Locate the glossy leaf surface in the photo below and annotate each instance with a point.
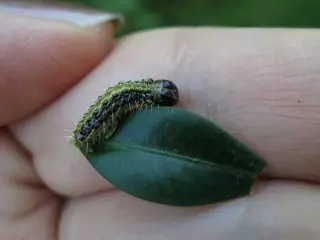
(173, 156)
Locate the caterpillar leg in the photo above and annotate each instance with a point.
(110, 128)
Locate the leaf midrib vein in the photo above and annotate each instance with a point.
(185, 158)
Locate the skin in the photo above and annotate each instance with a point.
(262, 85)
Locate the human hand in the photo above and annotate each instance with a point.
(259, 84)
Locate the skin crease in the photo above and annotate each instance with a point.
(259, 84)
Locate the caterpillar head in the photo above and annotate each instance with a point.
(168, 94)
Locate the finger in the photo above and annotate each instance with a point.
(278, 210)
(260, 85)
(22, 196)
(41, 58)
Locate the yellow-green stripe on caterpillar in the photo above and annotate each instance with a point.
(103, 117)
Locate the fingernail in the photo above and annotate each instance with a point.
(78, 15)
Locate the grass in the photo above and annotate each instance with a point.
(146, 14)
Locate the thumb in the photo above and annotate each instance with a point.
(45, 51)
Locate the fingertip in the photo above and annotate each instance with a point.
(41, 59)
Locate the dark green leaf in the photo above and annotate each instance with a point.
(175, 157)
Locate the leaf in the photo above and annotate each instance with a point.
(175, 157)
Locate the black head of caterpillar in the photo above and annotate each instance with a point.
(168, 95)
(103, 117)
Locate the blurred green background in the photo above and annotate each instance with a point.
(146, 14)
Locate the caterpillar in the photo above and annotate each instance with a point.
(102, 119)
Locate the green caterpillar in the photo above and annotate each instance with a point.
(103, 117)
